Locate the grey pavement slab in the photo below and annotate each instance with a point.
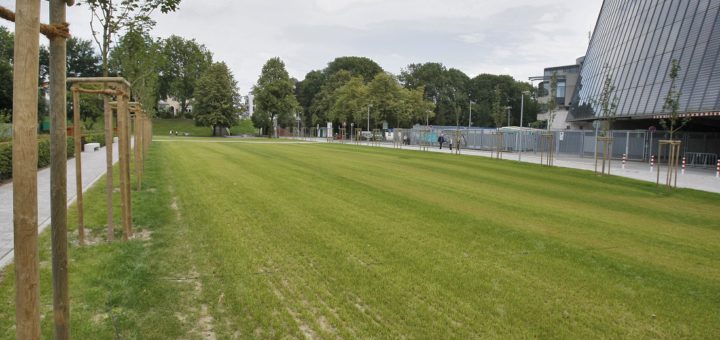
(93, 168)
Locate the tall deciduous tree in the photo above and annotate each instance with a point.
(137, 58)
(218, 102)
(184, 61)
(110, 17)
(357, 66)
(82, 58)
(350, 102)
(306, 90)
(447, 88)
(274, 96)
(325, 99)
(386, 96)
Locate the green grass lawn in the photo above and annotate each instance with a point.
(162, 127)
(320, 240)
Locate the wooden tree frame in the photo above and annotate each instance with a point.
(120, 88)
(425, 142)
(673, 160)
(358, 135)
(376, 137)
(398, 138)
(606, 145)
(547, 149)
(457, 141)
(343, 133)
(499, 148)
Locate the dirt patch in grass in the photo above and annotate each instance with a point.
(205, 323)
(100, 318)
(142, 235)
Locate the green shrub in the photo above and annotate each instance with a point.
(5, 161)
(43, 155)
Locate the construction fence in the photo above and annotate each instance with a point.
(700, 148)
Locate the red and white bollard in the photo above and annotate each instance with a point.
(652, 162)
(683, 166)
(624, 160)
(717, 169)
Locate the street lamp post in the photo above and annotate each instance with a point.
(368, 117)
(522, 112)
(470, 119)
(508, 108)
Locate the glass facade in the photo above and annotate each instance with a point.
(635, 41)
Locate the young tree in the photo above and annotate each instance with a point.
(672, 103)
(113, 16)
(552, 102)
(217, 104)
(498, 110)
(608, 105)
(275, 96)
(183, 62)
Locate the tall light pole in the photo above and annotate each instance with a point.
(508, 108)
(470, 119)
(369, 106)
(520, 133)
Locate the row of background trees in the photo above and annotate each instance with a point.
(350, 89)
(156, 68)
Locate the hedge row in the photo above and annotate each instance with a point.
(43, 152)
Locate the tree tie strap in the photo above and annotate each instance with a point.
(56, 30)
(50, 31)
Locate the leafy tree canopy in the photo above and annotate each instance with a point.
(359, 66)
(217, 102)
(275, 96)
(183, 63)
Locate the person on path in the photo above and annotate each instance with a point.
(441, 140)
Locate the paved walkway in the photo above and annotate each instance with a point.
(693, 178)
(93, 168)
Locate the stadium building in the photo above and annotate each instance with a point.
(635, 42)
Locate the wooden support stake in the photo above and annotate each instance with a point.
(121, 118)
(77, 129)
(124, 148)
(25, 154)
(128, 145)
(58, 175)
(136, 149)
(109, 187)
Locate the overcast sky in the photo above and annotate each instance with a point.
(515, 37)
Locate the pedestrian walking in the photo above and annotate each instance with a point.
(441, 140)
